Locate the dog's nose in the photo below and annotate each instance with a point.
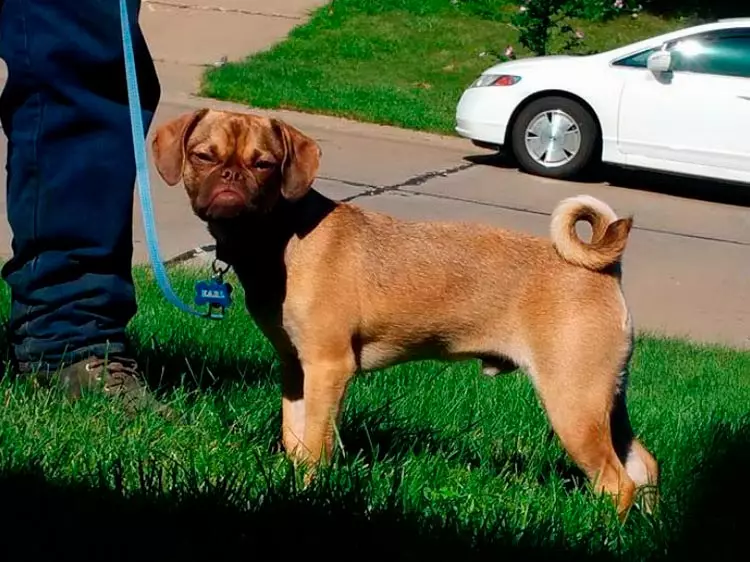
(231, 174)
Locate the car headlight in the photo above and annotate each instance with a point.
(496, 80)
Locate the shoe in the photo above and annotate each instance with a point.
(116, 377)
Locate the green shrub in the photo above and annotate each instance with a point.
(541, 23)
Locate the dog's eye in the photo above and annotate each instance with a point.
(264, 164)
(204, 156)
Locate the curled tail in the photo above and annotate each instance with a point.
(609, 234)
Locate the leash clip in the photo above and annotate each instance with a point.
(219, 272)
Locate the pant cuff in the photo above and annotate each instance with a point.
(50, 366)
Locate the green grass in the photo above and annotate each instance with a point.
(396, 62)
(437, 460)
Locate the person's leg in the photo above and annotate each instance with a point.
(71, 175)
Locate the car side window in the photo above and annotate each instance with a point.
(637, 60)
(721, 53)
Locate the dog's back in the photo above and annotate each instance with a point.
(408, 288)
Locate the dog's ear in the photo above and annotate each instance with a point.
(169, 142)
(301, 161)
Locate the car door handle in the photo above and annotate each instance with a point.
(746, 98)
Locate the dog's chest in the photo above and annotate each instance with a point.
(264, 289)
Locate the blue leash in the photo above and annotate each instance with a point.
(216, 294)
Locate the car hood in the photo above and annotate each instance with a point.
(536, 63)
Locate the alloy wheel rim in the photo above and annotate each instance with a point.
(552, 138)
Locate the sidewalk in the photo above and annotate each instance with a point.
(185, 36)
(687, 267)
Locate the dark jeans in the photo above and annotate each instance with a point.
(71, 175)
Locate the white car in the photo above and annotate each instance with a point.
(676, 103)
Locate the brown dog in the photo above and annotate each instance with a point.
(337, 289)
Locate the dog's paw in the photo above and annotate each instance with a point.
(489, 370)
(647, 499)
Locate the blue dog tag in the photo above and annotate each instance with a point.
(216, 294)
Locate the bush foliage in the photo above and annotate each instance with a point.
(542, 23)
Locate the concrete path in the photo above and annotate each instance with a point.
(185, 36)
(687, 269)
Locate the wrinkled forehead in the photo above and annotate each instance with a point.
(232, 133)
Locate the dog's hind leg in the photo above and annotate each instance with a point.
(579, 397)
(639, 463)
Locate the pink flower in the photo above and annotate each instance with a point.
(579, 34)
(509, 52)
(619, 4)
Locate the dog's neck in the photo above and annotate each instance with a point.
(257, 236)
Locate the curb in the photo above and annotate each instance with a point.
(323, 122)
(201, 252)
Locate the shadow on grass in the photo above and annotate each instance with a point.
(46, 519)
(716, 519)
(92, 523)
(378, 435)
(168, 369)
(188, 367)
(642, 180)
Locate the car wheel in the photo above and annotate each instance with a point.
(554, 137)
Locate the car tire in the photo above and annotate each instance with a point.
(570, 153)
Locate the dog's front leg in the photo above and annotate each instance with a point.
(325, 383)
(292, 407)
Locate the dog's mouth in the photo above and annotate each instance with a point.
(225, 203)
(225, 196)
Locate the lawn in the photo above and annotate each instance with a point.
(438, 460)
(396, 62)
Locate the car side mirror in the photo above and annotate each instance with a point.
(659, 61)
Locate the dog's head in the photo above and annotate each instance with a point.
(233, 163)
